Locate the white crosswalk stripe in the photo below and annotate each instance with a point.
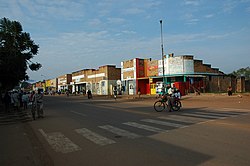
(203, 116)
(213, 114)
(94, 137)
(145, 127)
(163, 123)
(236, 109)
(182, 118)
(59, 142)
(120, 132)
(228, 111)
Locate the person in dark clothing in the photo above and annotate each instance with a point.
(7, 101)
(229, 91)
(89, 94)
(139, 92)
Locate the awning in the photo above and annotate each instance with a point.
(195, 76)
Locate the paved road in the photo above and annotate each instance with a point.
(77, 131)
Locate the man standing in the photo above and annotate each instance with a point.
(39, 102)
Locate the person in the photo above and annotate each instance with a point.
(177, 93)
(115, 92)
(170, 92)
(67, 93)
(139, 92)
(39, 103)
(229, 91)
(15, 98)
(25, 100)
(7, 101)
(32, 97)
(89, 94)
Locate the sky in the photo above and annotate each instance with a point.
(82, 34)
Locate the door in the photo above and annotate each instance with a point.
(152, 89)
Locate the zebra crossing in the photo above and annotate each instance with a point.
(13, 117)
(129, 130)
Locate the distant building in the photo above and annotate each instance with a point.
(100, 81)
(51, 85)
(183, 72)
(64, 83)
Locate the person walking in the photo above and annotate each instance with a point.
(7, 101)
(229, 91)
(89, 94)
(25, 100)
(15, 98)
(139, 92)
(39, 103)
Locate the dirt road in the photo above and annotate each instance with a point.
(217, 101)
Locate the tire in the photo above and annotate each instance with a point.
(159, 106)
(176, 105)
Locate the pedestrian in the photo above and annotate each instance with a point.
(15, 98)
(229, 91)
(25, 100)
(32, 97)
(39, 103)
(89, 94)
(139, 92)
(115, 92)
(7, 101)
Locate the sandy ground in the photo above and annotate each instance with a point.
(241, 101)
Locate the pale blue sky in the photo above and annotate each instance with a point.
(79, 34)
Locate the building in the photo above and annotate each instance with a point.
(131, 71)
(64, 83)
(100, 81)
(183, 72)
(189, 75)
(51, 85)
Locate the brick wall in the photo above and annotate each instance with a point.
(114, 73)
(199, 67)
(216, 84)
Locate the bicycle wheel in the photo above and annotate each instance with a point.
(159, 106)
(176, 105)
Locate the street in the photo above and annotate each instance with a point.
(128, 132)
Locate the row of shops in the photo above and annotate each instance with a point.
(145, 75)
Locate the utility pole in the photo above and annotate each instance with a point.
(162, 54)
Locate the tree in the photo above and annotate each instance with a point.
(16, 51)
(242, 72)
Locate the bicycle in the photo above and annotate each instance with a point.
(172, 103)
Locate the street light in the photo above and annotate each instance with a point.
(45, 86)
(162, 54)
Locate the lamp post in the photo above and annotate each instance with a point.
(162, 54)
(45, 87)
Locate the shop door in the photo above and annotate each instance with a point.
(131, 88)
(152, 89)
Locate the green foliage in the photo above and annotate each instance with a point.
(242, 72)
(16, 51)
